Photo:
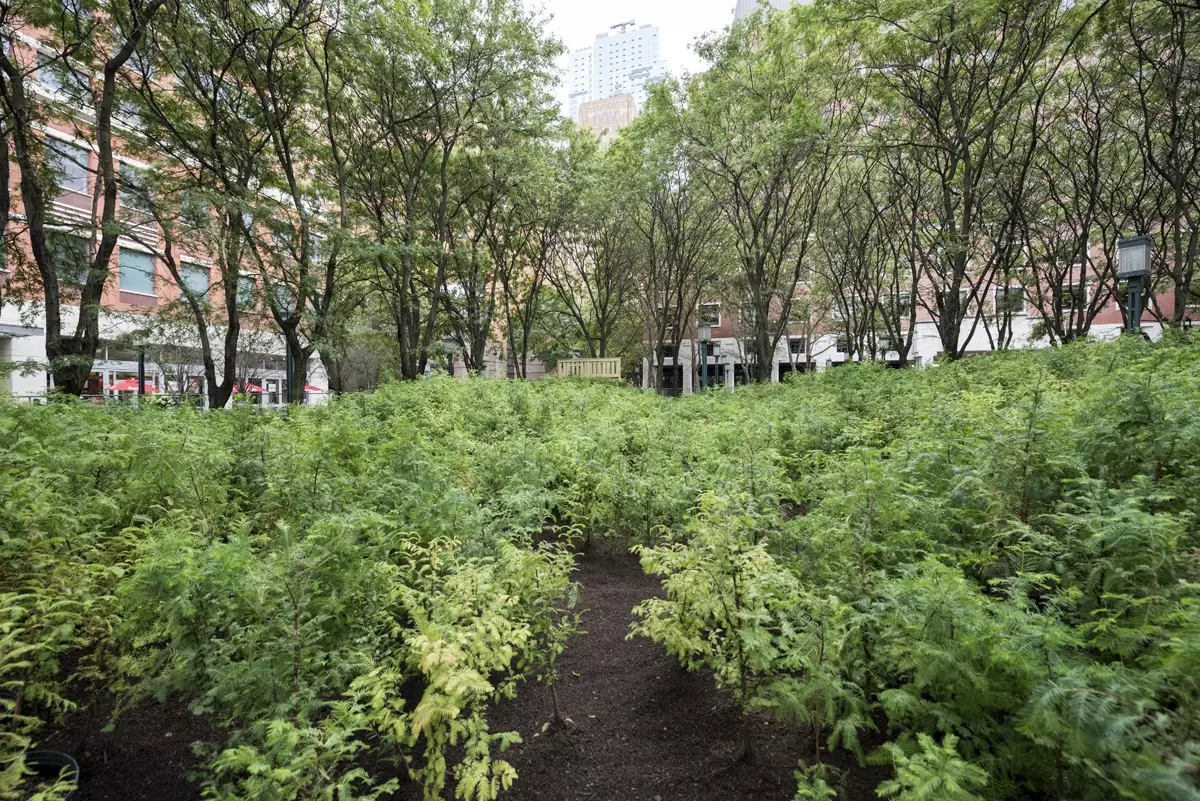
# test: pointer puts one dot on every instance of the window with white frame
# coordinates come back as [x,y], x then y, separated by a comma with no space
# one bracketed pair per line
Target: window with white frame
[245,291]
[58,77]
[49,72]
[195,277]
[135,190]
[1073,299]
[70,163]
[1010,300]
[70,257]
[137,272]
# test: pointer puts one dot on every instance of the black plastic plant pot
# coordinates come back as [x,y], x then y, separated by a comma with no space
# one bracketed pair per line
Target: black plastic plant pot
[48,766]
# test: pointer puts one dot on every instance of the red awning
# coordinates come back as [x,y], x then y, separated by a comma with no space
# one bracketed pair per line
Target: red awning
[311,388]
[131,385]
[244,388]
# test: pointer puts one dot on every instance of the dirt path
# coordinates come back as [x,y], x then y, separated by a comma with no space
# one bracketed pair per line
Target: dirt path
[645,729]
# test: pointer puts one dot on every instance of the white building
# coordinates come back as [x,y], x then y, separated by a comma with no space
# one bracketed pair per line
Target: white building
[622,61]
[169,365]
[579,79]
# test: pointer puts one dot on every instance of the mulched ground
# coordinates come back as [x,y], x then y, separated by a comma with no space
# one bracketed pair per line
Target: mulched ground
[645,730]
[147,756]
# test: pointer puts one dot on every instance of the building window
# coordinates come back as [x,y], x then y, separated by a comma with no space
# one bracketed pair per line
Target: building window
[49,73]
[284,300]
[904,304]
[57,77]
[195,279]
[796,346]
[1071,299]
[70,257]
[70,164]
[195,213]
[245,291]
[137,272]
[1010,300]
[1193,297]
[843,344]
[76,8]
[135,193]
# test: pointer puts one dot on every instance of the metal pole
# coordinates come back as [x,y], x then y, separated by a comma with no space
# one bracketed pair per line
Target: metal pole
[141,370]
[1134,304]
[450,363]
[703,364]
[289,369]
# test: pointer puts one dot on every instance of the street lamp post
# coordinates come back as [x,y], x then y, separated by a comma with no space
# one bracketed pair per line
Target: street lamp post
[141,338]
[451,347]
[705,338]
[1133,267]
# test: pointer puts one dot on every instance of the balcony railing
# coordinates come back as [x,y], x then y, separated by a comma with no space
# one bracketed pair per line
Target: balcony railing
[589,368]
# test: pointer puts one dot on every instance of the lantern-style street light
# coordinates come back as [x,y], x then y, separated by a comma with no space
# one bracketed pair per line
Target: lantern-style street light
[451,348]
[1133,267]
[705,332]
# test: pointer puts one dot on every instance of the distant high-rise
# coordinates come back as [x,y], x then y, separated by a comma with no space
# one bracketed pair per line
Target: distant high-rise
[605,117]
[622,61]
[747,7]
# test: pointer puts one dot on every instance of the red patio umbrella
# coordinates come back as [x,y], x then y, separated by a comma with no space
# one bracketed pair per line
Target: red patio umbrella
[131,385]
[243,388]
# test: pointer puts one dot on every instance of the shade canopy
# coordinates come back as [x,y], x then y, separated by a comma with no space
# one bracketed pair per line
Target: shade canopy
[130,385]
[311,388]
[243,388]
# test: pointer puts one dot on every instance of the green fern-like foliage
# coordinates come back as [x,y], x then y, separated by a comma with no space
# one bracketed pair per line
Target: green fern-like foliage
[935,771]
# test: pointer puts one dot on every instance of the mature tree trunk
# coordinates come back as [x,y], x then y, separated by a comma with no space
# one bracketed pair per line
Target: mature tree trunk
[70,356]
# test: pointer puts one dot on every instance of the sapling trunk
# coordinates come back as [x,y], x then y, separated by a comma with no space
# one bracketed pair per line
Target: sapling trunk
[746,751]
[816,727]
[559,721]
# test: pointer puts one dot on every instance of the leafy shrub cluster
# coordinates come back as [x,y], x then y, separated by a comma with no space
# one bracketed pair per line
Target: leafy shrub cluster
[992,563]
[992,566]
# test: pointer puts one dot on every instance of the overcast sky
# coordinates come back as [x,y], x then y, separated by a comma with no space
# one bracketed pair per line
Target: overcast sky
[680,22]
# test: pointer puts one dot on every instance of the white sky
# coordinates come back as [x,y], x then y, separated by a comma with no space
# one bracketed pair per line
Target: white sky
[680,23]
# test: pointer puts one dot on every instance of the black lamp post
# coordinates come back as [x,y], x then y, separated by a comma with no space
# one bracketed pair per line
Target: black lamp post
[451,347]
[1133,267]
[141,338]
[705,338]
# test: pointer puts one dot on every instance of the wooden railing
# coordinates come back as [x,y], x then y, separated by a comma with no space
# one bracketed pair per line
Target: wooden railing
[589,368]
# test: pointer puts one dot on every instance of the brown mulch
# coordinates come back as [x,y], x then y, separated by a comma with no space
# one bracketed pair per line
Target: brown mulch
[146,757]
[644,729]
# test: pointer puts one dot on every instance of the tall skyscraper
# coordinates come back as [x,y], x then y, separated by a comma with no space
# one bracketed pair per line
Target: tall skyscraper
[622,61]
[747,7]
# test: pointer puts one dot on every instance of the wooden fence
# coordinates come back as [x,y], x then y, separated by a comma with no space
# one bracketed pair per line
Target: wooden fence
[589,368]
